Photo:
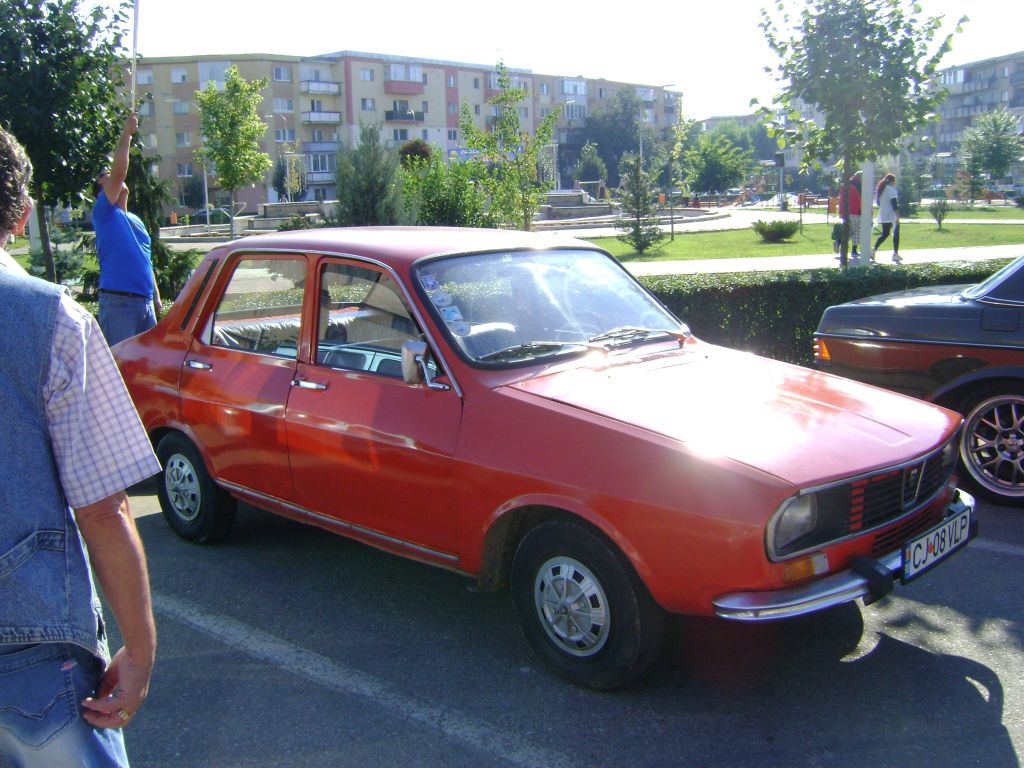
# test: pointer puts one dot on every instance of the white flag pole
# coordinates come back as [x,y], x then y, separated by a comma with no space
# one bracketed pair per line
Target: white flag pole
[135,49]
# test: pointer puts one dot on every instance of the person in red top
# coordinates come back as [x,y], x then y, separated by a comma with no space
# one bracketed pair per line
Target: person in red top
[850,192]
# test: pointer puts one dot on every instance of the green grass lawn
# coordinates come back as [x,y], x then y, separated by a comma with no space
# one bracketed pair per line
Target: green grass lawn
[816,238]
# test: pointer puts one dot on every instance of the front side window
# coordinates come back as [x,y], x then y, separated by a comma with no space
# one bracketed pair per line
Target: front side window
[261,309]
[363,320]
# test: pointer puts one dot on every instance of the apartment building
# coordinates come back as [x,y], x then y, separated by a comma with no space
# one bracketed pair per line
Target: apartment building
[316,105]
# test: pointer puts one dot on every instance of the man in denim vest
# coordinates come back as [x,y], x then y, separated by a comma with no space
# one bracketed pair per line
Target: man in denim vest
[71,439]
[129,298]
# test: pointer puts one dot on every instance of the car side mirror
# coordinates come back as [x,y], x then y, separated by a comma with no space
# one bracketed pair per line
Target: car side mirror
[414,365]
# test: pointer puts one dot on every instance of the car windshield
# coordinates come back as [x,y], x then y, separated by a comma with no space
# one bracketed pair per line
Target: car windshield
[522,306]
[1006,285]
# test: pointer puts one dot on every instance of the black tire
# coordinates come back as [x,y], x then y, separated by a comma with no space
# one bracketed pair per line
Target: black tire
[624,626]
[992,442]
[195,507]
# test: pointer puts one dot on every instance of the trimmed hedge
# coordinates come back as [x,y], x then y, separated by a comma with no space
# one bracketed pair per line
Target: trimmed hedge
[775,314]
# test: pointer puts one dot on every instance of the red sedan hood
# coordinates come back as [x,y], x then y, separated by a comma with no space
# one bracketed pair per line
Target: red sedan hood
[800,425]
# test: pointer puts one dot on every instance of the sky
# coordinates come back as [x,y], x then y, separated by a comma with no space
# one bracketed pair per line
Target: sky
[712,51]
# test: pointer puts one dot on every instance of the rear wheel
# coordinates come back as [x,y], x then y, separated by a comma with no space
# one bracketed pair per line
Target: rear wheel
[992,442]
[582,608]
[194,506]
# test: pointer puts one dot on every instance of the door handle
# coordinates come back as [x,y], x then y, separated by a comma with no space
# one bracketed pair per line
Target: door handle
[198,365]
[303,384]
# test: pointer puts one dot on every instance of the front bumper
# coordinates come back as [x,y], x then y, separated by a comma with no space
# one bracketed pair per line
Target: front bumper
[869,578]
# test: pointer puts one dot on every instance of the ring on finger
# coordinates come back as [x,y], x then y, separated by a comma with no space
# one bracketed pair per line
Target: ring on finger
[125,716]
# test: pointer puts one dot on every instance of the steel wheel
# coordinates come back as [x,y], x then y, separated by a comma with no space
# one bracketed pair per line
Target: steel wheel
[581,606]
[572,606]
[193,504]
[182,486]
[992,444]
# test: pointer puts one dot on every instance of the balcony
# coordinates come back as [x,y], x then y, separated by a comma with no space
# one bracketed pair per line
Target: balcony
[1017,77]
[319,86]
[320,146]
[321,117]
[403,116]
[404,87]
[320,177]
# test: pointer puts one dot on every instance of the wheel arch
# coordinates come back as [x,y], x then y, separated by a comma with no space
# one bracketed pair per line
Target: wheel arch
[952,393]
[507,529]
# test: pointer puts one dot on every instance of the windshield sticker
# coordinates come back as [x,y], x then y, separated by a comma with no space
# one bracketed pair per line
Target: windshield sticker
[429,283]
[451,314]
[441,298]
[460,328]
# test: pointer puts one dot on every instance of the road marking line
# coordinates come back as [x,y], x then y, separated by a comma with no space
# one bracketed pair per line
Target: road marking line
[998,547]
[329,674]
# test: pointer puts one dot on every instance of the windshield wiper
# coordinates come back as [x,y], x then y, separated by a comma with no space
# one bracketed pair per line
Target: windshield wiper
[528,349]
[625,335]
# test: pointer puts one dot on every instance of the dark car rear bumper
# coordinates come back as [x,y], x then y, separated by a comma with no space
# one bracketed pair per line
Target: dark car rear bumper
[870,579]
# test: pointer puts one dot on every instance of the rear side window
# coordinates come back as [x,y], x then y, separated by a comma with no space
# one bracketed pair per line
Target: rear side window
[261,309]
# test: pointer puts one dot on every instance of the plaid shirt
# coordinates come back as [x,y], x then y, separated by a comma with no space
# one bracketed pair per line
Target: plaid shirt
[99,442]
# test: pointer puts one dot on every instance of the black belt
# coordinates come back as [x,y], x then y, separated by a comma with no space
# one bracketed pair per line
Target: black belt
[124,293]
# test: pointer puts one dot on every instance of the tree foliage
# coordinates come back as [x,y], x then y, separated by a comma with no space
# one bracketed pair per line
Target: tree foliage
[59,94]
[867,66]
[440,194]
[715,164]
[590,166]
[639,223]
[290,177]
[993,144]
[369,186]
[511,156]
[615,130]
[232,131]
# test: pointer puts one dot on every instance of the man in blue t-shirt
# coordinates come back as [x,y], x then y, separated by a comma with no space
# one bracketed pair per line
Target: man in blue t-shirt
[129,298]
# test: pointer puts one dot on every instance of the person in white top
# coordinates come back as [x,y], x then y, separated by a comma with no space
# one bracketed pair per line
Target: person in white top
[888,199]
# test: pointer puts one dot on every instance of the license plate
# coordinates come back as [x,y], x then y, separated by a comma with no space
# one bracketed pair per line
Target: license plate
[935,545]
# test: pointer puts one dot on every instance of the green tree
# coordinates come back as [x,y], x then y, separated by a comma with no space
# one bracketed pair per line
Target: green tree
[368,181]
[993,144]
[590,166]
[616,130]
[290,177]
[414,149]
[59,95]
[639,223]
[511,177]
[440,194]
[715,163]
[867,66]
[232,131]
[193,195]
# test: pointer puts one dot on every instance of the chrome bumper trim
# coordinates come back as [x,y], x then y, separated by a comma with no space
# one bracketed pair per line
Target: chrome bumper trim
[819,594]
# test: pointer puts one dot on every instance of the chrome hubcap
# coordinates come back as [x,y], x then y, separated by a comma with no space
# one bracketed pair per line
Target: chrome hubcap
[182,486]
[994,445]
[572,606]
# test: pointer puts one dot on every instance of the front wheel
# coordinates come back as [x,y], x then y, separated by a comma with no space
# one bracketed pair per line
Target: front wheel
[195,507]
[582,608]
[992,442]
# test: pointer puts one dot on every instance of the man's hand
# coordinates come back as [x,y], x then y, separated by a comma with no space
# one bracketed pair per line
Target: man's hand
[120,693]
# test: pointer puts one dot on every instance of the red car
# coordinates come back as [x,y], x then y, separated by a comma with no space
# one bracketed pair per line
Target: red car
[518,408]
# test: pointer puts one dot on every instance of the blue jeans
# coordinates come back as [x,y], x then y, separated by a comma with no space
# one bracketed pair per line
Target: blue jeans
[122,317]
[40,721]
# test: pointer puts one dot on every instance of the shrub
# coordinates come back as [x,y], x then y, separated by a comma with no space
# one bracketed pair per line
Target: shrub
[939,209]
[297,221]
[776,231]
[775,314]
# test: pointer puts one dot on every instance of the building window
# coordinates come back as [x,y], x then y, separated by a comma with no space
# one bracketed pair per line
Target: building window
[183,169]
[366,75]
[476,109]
[179,75]
[524,113]
[574,87]
[282,74]
[368,105]
[284,105]
[212,70]
[183,139]
[317,135]
[425,107]
[452,81]
[453,134]
[476,83]
[321,162]
[315,105]
[412,73]
[401,134]
[145,108]
[144,77]
[545,89]
[181,107]
[284,134]
[425,134]
[453,108]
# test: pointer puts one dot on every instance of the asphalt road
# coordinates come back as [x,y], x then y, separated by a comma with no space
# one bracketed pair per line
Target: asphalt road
[289,646]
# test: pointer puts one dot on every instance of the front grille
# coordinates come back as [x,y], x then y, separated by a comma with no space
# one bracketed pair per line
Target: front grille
[876,501]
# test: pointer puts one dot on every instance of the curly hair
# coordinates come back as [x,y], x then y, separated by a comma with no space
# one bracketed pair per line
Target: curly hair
[15,176]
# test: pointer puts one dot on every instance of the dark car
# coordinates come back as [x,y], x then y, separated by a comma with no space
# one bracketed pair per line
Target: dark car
[215,215]
[961,346]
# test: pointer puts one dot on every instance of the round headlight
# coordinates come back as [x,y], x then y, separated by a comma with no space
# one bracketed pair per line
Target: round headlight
[797,517]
